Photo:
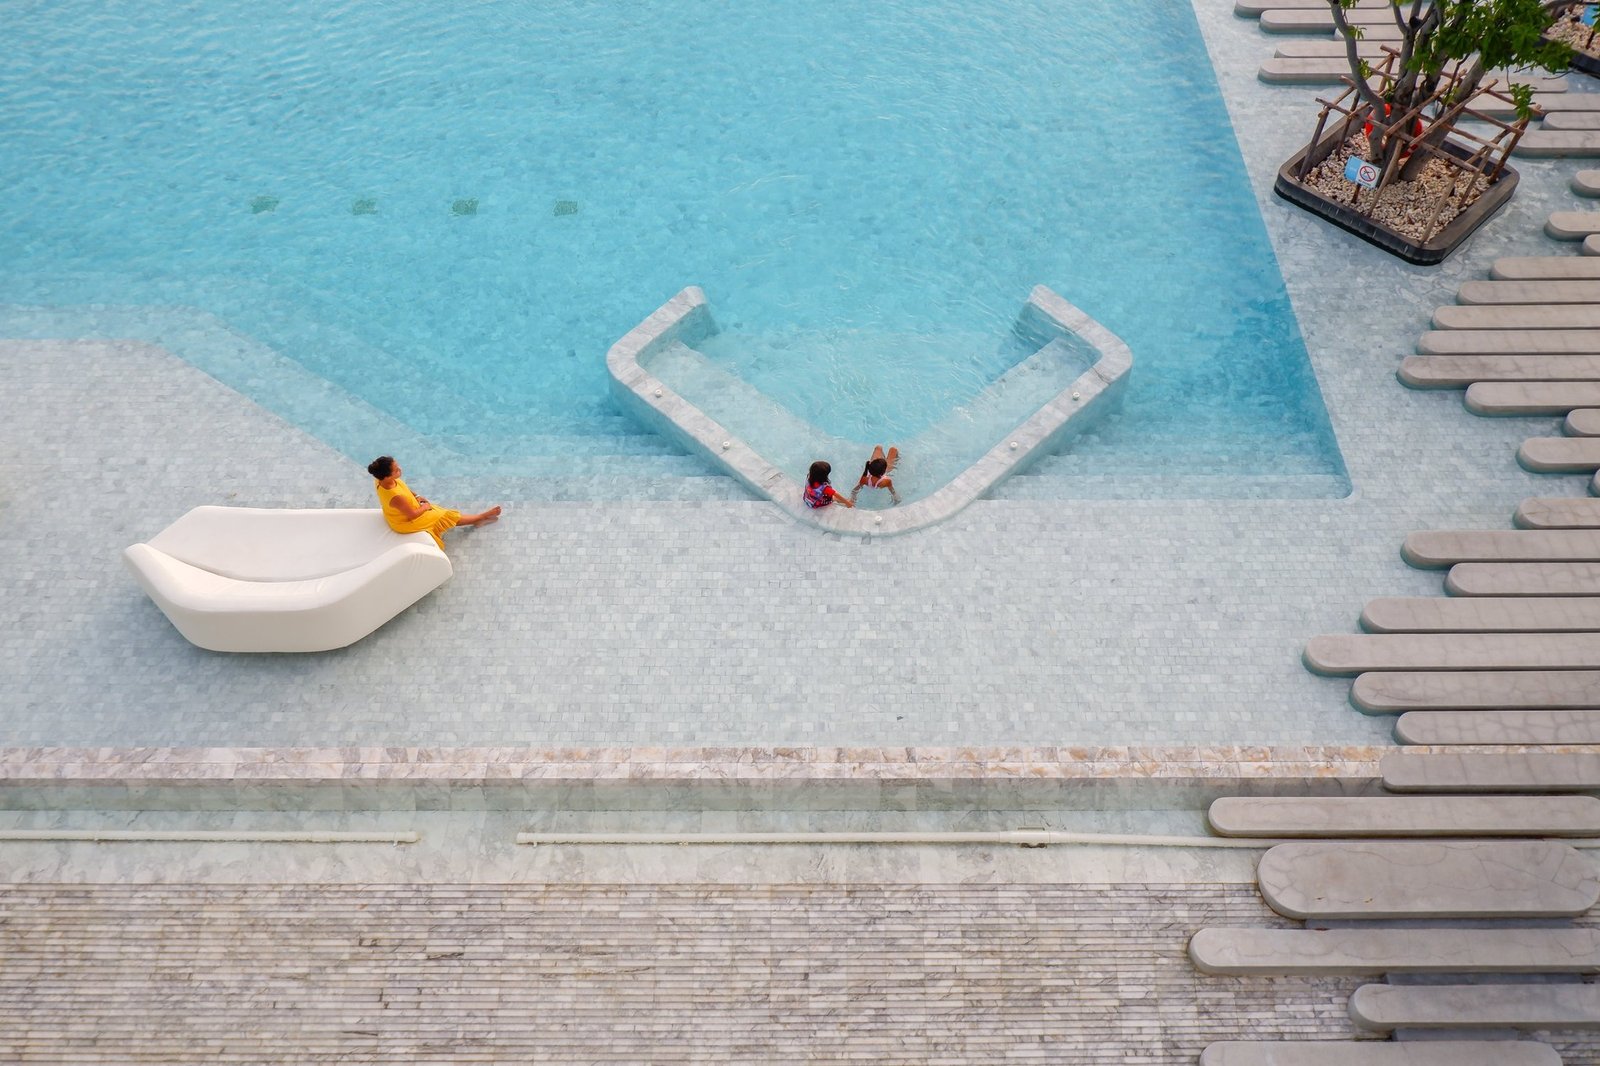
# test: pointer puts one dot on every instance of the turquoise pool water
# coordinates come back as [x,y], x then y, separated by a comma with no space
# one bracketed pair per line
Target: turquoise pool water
[452,211]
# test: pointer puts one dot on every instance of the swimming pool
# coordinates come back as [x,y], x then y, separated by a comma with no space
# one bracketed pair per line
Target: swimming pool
[453,211]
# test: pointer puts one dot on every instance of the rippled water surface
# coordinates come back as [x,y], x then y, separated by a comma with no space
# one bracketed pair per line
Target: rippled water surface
[452,210]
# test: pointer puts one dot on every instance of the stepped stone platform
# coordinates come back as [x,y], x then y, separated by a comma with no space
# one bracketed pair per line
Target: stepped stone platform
[1311,20]
[1531,398]
[1573,286]
[1462,371]
[1381,1053]
[1560,455]
[1405,816]
[1340,654]
[1510,341]
[1558,144]
[1558,512]
[1255,8]
[1486,1006]
[1502,727]
[1573,225]
[1408,771]
[1542,267]
[1439,548]
[1519,614]
[1432,879]
[1523,579]
[1386,693]
[1368,951]
[609,974]
[1517,316]
[1584,422]
[1571,120]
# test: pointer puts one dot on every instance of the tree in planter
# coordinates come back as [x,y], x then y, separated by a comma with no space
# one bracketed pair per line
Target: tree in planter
[1469,36]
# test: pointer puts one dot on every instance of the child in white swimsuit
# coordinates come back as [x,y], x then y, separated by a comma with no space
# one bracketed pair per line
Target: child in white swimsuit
[875,475]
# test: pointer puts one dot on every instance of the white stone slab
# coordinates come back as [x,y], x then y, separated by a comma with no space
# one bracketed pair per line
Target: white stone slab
[1380,1053]
[1386,693]
[1584,422]
[1510,341]
[1517,316]
[1313,20]
[1254,8]
[1245,951]
[1444,547]
[1461,371]
[1523,579]
[1531,398]
[1574,225]
[1571,120]
[1560,455]
[1559,512]
[1521,1006]
[1341,654]
[1364,879]
[1292,71]
[1591,245]
[1586,183]
[1311,48]
[1554,144]
[1482,614]
[1577,287]
[1503,727]
[1406,816]
[1544,267]
[1518,771]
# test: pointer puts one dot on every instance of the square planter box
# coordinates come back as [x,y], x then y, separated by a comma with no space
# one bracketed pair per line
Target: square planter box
[1434,250]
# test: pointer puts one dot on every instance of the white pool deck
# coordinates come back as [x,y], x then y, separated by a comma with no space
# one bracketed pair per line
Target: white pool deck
[723,624]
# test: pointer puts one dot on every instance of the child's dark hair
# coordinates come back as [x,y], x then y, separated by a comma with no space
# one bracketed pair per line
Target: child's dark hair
[818,474]
[381,467]
[875,467]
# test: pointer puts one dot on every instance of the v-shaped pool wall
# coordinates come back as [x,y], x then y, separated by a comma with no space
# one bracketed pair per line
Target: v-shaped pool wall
[1045,318]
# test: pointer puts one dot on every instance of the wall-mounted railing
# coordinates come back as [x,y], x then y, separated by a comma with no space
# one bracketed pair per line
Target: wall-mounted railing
[686,319]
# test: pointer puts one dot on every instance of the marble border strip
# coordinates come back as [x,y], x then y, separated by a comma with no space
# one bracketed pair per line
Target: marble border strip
[686,318]
[46,765]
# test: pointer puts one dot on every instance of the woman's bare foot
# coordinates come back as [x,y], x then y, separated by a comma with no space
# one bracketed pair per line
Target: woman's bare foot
[481,518]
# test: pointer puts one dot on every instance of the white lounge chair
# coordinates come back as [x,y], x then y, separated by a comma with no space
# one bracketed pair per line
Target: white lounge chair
[260,579]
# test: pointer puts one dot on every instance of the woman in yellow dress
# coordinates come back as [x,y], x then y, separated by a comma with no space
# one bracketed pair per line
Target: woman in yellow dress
[406,512]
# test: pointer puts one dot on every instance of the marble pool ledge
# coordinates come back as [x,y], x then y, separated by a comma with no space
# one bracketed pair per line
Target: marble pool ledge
[686,319]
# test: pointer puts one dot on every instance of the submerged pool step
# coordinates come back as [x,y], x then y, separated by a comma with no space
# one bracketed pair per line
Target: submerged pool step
[1405,816]
[1462,371]
[1363,879]
[1559,512]
[1579,726]
[1523,771]
[1374,951]
[1476,614]
[1388,693]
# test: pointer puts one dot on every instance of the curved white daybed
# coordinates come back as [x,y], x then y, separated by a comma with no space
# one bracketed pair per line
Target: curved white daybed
[261,579]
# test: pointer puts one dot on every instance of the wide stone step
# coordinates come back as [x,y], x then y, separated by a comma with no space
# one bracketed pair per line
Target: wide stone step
[1560,455]
[1280,71]
[1590,245]
[1386,693]
[1341,654]
[1444,547]
[1405,816]
[1460,371]
[1586,182]
[1573,288]
[1584,422]
[1311,48]
[1312,20]
[1482,614]
[1571,120]
[1559,512]
[1252,952]
[1502,727]
[1560,144]
[1510,341]
[1522,1006]
[1380,1053]
[1523,579]
[1432,879]
[1254,8]
[1407,771]
[1517,316]
[1573,225]
[1543,267]
[1549,103]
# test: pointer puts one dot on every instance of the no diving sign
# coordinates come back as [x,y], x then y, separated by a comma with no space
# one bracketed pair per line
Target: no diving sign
[1361,172]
